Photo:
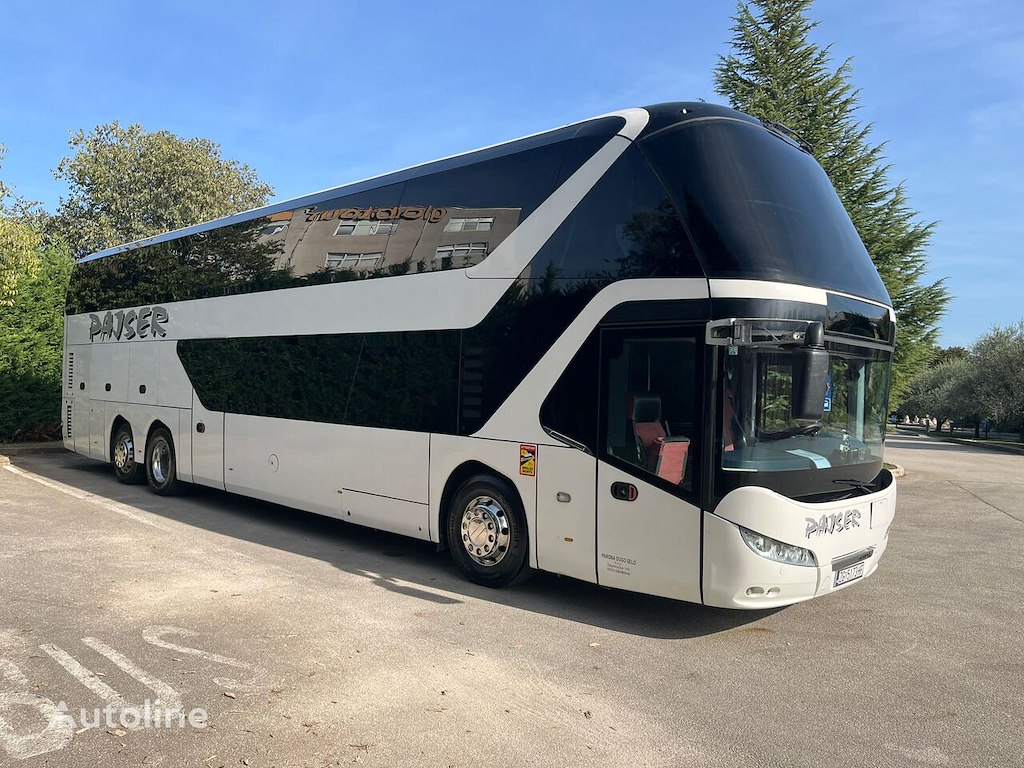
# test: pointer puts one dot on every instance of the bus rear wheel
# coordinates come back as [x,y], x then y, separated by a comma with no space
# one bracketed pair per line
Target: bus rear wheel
[161,465]
[122,454]
[487,532]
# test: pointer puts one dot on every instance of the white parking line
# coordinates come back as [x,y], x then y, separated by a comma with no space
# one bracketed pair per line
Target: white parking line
[155,636]
[116,507]
[169,700]
[86,677]
[58,731]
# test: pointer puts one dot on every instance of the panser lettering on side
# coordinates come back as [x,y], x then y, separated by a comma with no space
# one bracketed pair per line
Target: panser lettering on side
[143,322]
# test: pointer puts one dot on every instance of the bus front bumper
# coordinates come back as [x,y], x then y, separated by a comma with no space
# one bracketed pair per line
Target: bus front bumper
[734,576]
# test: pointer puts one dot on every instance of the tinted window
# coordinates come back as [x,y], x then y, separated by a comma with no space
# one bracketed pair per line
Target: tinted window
[589,138]
[315,239]
[571,409]
[499,352]
[393,380]
[401,228]
[858,318]
[504,190]
[233,259]
[652,405]
[625,227]
[758,207]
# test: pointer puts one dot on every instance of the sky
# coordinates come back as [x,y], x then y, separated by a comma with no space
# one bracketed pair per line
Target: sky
[316,96]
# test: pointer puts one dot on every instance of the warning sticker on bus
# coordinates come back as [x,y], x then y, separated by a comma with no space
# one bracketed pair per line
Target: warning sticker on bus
[528,460]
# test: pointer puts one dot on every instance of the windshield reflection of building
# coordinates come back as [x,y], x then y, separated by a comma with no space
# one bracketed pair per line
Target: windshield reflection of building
[386,240]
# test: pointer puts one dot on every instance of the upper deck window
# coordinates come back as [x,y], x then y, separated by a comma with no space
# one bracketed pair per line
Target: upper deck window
[757,207]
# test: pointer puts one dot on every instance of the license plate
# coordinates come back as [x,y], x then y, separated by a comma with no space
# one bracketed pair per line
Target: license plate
[846,575]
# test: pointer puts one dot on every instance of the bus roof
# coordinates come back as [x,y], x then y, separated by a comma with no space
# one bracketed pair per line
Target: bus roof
[660,116]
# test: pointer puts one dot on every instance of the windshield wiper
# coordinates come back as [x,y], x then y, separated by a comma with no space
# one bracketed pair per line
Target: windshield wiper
[856,484]
[788,134]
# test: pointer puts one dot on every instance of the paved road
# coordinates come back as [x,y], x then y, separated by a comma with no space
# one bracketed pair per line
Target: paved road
[308,642]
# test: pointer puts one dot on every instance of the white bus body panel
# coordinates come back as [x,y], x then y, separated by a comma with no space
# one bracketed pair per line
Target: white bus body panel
[144,378]
[375,477]
[650,544]
[108,373]
[566,533]
[207,446]
[731,568]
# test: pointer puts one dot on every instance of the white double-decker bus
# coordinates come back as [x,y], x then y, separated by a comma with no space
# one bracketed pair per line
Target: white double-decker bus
[647,350]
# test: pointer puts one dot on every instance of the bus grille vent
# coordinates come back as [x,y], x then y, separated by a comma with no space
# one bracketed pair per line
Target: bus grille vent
[71,370]
[68,421]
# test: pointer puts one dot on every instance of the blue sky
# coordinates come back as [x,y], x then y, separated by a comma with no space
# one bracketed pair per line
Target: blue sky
[313,96]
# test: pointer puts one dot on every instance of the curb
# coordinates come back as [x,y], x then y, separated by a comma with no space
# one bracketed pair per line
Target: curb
[20,449]
[966,441]
[982,444]
[897,469]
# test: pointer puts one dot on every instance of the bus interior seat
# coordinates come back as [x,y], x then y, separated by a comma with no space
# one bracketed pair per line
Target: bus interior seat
[645,420]
[657,451]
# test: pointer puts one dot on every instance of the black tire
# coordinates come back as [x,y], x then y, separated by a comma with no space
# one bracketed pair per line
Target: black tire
[487,534]
[122,456]
[161,465]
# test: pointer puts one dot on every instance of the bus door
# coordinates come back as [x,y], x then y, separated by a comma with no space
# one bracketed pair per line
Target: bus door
[648,509]
[207,445]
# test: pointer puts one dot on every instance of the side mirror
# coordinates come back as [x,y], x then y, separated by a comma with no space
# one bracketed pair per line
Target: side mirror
[810,376]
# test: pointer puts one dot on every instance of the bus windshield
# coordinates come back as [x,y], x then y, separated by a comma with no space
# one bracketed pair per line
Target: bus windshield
[759,433]
[758,207]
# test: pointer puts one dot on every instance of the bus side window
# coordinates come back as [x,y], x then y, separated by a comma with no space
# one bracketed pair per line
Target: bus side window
[650,404]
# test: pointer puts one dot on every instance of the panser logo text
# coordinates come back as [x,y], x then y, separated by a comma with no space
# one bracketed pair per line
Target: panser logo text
[834,523]
[129,324]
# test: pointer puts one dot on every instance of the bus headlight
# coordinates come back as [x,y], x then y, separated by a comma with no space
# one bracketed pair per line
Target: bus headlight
[776,550]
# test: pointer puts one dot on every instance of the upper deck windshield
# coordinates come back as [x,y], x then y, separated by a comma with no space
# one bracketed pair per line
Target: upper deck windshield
[761,443]
[758,207]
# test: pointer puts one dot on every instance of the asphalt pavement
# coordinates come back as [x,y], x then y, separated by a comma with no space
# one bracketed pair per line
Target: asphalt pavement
[257,635]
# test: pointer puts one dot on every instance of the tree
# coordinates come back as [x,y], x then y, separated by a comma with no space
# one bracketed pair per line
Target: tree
[775,73]
[947,391]
[949,354]
[127,184]
[998,357]
[18,243]
[969,386]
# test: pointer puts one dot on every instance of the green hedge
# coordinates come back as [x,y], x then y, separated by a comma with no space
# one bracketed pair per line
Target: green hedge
[31,345]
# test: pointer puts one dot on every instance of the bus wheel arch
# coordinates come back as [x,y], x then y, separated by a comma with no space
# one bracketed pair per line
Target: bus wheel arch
[161,461]
[484,527]
[122,453]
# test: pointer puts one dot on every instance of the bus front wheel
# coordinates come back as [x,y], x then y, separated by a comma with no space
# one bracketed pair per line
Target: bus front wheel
[161,465]
[487,532]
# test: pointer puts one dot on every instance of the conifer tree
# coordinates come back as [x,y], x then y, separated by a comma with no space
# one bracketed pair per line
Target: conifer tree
[775,72]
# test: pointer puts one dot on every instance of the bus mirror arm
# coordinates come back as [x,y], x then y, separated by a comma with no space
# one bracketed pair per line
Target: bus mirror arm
[810,375]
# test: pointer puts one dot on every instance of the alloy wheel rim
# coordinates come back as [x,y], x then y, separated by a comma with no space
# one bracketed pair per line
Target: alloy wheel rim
[485,531]
[160,464]
[124,454]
